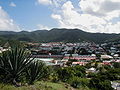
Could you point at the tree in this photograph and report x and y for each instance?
(79, 71)
(116, 65)
(65, 73)
(100, 84)
(98, 56)
(15, 43)
(77, 82)
(112, 74)
(83, 51)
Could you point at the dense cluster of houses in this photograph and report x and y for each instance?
(59, 53)
(81, 53)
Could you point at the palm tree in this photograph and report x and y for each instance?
(13, 62)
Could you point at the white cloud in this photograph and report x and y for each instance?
(12, 4)
(105, 8)
(6, 23)
(113, 28)
(58, 3)
(96, 16)
(55, 16)
(45, 2)
(54, 3)
(42, 27)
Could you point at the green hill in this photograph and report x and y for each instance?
(59, 35)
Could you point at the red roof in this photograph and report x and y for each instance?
(106, 63)
(81, 57)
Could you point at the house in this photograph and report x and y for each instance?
(79, 63)
(106, 57)
(106, 63)
(91, 70)
(1, 49)
(47, 61)
(48, 48)
(115, 85)
(81, 57)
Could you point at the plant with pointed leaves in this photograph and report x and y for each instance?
(13, 62)
(35, 71)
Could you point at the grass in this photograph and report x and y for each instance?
(41, 86)
(37, 86)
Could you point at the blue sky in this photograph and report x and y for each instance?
(88, 15)
(27, 14)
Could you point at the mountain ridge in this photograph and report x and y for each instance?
(58, 35)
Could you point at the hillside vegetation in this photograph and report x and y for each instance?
(58, 35)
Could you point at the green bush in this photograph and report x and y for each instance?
(116, 65)
(91, 75)
(66, 73)
(54, 77)
(112, 74)
(77, 82)
(79, 71)
(100, 84)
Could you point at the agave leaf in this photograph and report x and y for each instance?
(15, 61)
(35, 71)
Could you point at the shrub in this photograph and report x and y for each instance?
(77, 82)
(66, 73)
(91, 75)
(100, 84)
(116, 65)
(79, 71)
(13, 62)
(35, 71)
(112, 74)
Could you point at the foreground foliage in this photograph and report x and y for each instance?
(39, 86)
(18, 68)
(68, 72)
(77, 82)
(12, 64)
(35, 71)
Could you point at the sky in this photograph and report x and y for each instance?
(88, 15)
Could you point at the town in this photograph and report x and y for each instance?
(58, 53)
(59, 44)
(88, 54)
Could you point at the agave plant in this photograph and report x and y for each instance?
(35, 71)
(14, 62)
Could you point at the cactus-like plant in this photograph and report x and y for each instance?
(13, 62)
